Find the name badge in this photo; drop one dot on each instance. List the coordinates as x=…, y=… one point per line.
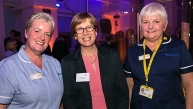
x=35, y=76
x=146, y=91
x=82, y=77
x=147, y=56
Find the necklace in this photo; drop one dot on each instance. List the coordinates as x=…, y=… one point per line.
x=94, y=60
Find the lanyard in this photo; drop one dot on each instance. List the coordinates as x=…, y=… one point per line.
x=146, y=70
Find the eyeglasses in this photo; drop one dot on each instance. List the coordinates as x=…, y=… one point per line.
x=81, y=30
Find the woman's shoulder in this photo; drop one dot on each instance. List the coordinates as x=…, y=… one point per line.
x=106, y=49
x=134, y=49
x=177, y=43
x=10, y=62
x=51, y=59
x=70, y=57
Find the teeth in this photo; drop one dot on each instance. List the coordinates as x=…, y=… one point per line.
x=40, y=42
x=150, y=31
x=86, y=38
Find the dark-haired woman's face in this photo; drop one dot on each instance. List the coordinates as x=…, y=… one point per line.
x=85, y=34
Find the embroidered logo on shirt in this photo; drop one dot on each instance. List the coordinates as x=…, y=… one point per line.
x=174, y=55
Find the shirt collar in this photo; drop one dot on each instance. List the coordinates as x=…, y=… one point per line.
x=165, y=40
x=24, y=57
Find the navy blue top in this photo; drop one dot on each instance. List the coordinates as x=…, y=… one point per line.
x=171, y=60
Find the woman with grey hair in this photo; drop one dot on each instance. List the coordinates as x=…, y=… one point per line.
x=30, y=79
x=158, y=66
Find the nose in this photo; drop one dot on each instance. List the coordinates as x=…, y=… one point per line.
x=84, y=31
x=42, y=36
x=150, y=26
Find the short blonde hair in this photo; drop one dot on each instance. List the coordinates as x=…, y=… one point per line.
x=40, y=16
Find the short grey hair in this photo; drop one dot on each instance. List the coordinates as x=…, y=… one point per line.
x=153, y=9
x=40, y=16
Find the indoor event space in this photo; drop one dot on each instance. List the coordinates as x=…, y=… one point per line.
x=112, y=15
x=96, y=54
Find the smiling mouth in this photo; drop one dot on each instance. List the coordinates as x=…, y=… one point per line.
x=150, y=31
x=41, y=43
x=87, y=38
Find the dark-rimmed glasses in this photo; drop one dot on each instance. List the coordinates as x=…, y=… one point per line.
x=81, y=30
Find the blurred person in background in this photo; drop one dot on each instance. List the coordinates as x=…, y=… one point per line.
x=12, y=32
x=11, y=48
x=60, y=48
x=16, y=36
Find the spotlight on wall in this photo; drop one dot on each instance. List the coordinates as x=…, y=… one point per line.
x=58, y=5
x=164, y=0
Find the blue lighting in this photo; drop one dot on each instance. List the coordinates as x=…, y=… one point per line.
x=57, y=4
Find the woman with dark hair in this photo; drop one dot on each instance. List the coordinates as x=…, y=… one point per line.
x=93, y=75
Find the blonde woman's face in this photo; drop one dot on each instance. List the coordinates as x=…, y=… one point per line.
x=38, y=36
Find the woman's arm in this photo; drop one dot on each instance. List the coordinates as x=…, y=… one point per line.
x=69, y=94
x=130, y=84
x=187, y=81
x=122, y=88
x=3, y=106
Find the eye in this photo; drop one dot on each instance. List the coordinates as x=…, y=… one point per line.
x=144, y=22
x=37, y=31
x=89, y=27
x=156, y=21
x=78, y=29
x=47, y=34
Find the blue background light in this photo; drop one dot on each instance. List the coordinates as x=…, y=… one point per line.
x=57, y=4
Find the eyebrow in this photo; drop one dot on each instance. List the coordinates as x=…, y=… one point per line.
x=85, y=27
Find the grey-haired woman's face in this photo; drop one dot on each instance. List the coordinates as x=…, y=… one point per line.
x=153, y=27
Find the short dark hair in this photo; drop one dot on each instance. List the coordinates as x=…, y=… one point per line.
x=80, y=18
x=109, y=37
x=17, y=33
x=63, y=36
x=12, y=31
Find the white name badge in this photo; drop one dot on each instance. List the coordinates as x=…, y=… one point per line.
x=147, y=56
x=35, y=76
x=82, y=77
x=146, y=91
